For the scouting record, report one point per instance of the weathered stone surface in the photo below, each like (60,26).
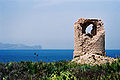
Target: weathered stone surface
(89,47)
(93,59)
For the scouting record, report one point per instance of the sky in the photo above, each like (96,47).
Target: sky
(50,23)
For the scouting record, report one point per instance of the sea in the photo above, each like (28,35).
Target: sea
(52,55)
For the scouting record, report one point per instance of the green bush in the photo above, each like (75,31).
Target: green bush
(63,76)
(62,70)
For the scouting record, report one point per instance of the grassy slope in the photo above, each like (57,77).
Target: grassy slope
(61,70)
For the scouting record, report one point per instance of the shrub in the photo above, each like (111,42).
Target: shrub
(59,71)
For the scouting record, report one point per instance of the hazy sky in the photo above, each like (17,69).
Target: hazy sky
(50,23)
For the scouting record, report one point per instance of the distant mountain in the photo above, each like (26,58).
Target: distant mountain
(18,46)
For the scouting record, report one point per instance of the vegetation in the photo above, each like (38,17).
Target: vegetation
(62,70)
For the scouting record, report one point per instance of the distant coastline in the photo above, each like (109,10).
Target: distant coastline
(8,46)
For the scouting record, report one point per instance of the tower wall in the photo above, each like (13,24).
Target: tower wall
(91,43)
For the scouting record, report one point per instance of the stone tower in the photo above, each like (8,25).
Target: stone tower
(89,43)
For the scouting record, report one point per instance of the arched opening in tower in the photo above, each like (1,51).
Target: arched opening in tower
(89,29)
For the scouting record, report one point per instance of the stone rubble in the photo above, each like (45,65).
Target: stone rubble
(93,59)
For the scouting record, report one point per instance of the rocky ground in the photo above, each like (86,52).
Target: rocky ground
(93,59)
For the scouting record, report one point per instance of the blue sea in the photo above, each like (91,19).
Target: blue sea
(43,55)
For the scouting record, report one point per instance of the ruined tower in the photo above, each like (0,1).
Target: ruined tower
(89,43)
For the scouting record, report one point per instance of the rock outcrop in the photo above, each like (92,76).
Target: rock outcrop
(93,59)
(89,47)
